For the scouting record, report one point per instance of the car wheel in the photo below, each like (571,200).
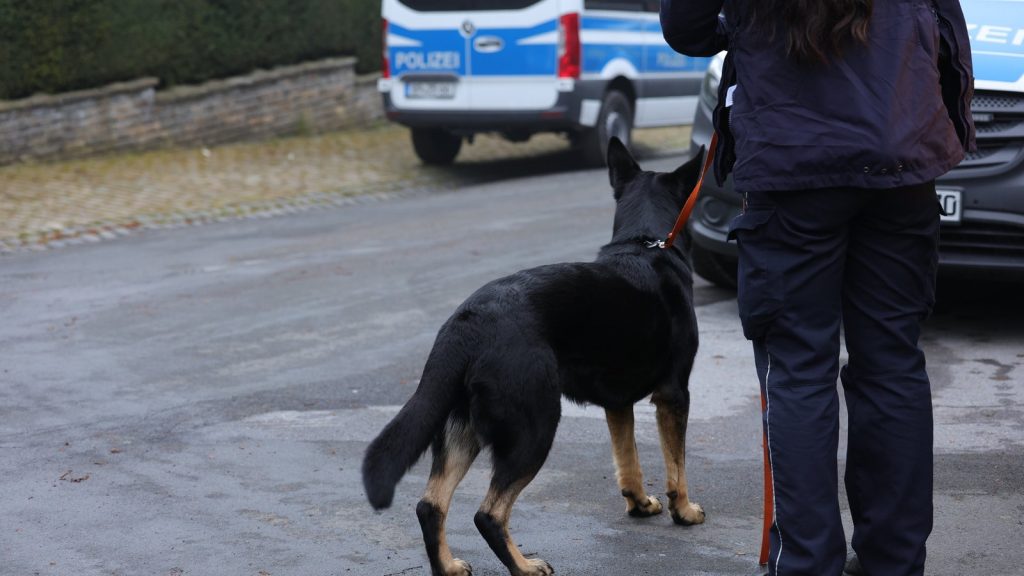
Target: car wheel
(615,119)
(436,146)
(713,267)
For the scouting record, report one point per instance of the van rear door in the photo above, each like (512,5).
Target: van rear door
(513,54)
(426,54)
(475,55)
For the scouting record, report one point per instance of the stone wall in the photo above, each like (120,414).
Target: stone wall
(313,97)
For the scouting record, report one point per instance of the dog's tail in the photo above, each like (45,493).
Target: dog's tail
(410,433)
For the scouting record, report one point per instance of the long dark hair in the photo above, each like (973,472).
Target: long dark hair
(814,29)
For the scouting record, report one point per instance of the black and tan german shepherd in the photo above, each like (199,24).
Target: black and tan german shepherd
(608,332)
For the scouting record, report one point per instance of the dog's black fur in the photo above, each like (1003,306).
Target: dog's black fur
(609,332)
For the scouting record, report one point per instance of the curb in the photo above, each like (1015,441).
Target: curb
(112,230)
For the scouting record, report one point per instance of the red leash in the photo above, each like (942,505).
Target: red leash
(691,201)
(769,490)
(684,215)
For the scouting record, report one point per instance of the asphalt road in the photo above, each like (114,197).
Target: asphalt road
(197,401)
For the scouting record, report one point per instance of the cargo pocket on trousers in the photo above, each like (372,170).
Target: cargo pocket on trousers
(759,284)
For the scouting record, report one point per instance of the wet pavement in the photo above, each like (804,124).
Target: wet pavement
(196,402)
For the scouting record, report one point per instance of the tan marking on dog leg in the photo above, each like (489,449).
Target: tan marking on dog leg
(672,430)
(461,449)
(498,506)
(627,464)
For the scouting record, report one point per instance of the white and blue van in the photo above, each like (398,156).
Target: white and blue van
(590,69)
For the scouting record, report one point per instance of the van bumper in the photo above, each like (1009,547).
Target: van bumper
(555,119)
(564,116)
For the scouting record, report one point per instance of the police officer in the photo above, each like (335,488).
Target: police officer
(835,117)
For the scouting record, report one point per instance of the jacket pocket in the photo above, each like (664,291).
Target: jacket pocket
(759,287)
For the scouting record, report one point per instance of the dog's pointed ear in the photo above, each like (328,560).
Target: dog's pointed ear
(621,165)
(689,172)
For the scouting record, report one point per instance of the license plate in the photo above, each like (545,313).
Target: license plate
(430,90)
(951,203)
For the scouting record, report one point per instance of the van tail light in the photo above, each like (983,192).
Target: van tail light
(569,46)
(385,66)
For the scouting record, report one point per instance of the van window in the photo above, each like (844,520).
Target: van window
(464,5)
(622,5)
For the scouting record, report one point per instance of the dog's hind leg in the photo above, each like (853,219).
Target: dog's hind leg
(673,414)
(516,407)
(627,464)
(492,522)
(454,452)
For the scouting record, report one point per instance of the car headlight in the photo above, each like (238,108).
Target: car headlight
(712,78)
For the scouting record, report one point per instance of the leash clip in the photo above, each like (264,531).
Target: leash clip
(655,244)
(691,199)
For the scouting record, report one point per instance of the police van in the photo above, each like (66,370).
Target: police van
(590,69)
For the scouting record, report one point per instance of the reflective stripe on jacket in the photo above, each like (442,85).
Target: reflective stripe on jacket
(894,111)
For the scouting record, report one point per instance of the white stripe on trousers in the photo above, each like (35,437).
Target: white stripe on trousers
(771,464)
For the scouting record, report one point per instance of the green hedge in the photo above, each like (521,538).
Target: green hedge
(60,45)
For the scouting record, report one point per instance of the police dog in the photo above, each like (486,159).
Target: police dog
(608,332)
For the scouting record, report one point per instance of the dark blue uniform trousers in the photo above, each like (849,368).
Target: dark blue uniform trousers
(811,262)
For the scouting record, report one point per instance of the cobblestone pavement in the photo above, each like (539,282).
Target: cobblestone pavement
(55,204)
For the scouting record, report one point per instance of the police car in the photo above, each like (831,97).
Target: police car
(983,197)
(590,69)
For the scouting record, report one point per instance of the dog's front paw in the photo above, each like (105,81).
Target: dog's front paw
(649,508)
(688,515)
(458,568)
(536,567)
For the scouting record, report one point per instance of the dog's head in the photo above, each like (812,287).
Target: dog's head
(647,203)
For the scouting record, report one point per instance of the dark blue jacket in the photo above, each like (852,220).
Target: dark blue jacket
(894,111)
